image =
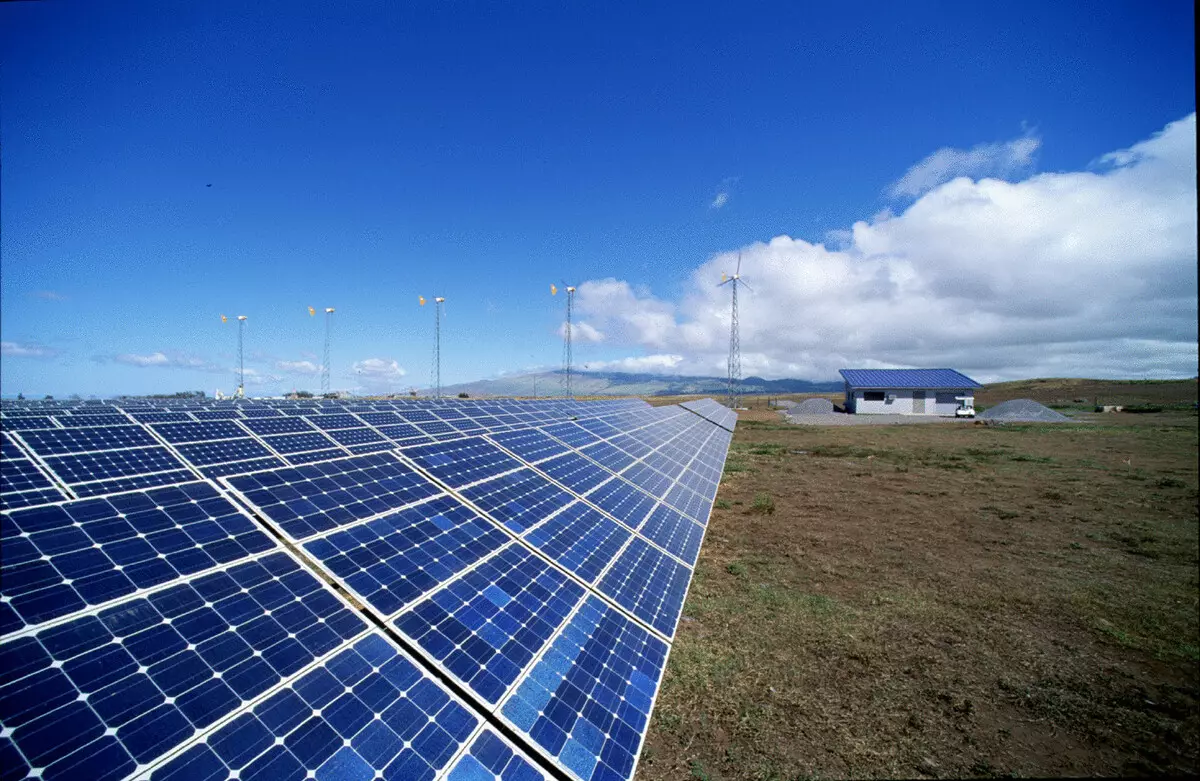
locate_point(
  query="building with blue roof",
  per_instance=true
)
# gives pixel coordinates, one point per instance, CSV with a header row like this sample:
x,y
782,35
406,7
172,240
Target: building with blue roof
x,y
908,391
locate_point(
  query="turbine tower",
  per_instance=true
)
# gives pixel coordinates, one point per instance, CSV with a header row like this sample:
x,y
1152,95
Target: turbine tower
x,y
438,303
241,386
325,360
567,357
734,378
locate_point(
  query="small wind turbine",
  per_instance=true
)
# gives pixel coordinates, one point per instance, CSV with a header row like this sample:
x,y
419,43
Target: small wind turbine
x,y
734,381
568,358
439,302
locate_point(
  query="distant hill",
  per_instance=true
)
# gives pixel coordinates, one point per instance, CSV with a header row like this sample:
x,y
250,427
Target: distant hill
x,y
625,384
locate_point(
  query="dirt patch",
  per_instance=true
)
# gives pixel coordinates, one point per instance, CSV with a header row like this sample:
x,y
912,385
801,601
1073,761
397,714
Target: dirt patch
x,y
942,601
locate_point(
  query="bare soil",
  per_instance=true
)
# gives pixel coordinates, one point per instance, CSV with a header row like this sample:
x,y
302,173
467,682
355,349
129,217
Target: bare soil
x,y
942,601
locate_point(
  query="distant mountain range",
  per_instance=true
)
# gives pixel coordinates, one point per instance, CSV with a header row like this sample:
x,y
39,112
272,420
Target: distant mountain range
x,y
625,384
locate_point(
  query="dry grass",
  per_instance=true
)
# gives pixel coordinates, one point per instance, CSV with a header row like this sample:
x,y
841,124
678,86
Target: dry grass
x,y
942,601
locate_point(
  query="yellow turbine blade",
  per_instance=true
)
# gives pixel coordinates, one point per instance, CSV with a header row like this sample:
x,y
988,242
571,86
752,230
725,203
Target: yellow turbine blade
x,y
311,311
421,300
553,290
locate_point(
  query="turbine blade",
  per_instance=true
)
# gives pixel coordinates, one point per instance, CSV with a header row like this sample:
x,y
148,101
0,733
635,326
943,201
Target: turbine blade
x,y
739,266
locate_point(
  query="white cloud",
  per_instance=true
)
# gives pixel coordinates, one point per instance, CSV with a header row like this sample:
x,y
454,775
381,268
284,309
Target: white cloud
x,y
581,332
304,368
721,199
998,159
379,375
26,350
167,360
1087,273
643,363
49,295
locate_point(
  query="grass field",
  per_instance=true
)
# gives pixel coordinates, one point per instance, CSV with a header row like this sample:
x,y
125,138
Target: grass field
x,y
943,600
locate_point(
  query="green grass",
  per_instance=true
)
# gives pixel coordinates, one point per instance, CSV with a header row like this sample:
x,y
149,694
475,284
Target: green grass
x,y
763,504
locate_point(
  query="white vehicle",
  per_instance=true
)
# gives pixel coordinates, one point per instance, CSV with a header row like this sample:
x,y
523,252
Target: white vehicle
x,y
966,407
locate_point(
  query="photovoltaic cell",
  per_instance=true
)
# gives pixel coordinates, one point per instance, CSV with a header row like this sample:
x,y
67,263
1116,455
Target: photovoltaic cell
x,y
241,467
22,483
580,539
25,422
307,500
674,532
50,442
88,467
356,436
490,757
487,625
207,453
298,443
177,433
571,434
575,472
518,499
266,426
622,501
133,483
102,693
462,462
334,421
313,456
648,583
586,703
390,561
61,558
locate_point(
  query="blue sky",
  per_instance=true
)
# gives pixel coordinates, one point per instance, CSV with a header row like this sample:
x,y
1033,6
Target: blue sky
x,y
362,155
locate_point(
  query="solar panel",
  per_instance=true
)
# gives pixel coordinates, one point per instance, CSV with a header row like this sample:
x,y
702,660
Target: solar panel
x,y
307,500
586,703
539,620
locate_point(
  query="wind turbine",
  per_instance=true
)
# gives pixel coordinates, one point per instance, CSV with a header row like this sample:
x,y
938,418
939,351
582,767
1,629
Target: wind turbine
x,y
439,302
734,386
241,389
568,358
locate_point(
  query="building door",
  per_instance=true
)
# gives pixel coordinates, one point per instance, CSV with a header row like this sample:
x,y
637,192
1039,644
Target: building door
x,y
918,402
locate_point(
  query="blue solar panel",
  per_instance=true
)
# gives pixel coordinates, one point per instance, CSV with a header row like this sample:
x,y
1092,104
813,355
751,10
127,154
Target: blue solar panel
x,y
674,532
649,584
480,606
61,558
241,467
356,436
390,561
586,703
575,472
622,501
572,434
265,426
485,627
307,500
207,453
518,499
89,467
491,757
134,483
298,443
462,462
154,670
580,539
22,482
25,422
334,421
50,442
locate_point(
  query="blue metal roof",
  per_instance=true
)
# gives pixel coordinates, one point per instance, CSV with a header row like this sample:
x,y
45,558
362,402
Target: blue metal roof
x,y
907,378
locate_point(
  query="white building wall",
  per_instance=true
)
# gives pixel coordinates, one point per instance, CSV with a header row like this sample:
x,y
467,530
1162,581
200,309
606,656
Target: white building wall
x,y
937,402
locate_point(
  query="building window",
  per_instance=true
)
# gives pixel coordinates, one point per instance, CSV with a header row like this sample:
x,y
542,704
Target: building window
x,y
872,395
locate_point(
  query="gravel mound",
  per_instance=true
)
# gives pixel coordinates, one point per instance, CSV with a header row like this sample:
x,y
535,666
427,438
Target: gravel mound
x,y
1024,411
812,407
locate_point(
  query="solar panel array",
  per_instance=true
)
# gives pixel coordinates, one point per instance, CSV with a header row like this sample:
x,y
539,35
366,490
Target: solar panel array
x,y
330,589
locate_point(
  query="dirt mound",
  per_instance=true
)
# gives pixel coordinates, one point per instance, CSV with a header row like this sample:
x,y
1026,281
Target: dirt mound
x,y
812,407
1022,410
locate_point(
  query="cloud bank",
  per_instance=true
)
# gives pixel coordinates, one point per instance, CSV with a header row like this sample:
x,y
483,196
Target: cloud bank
x,y
26,350
1084,273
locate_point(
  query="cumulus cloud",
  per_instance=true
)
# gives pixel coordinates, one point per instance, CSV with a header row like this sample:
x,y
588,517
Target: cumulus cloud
x,y
1085,273
581,332
303,368
26,350
998,159
721,199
